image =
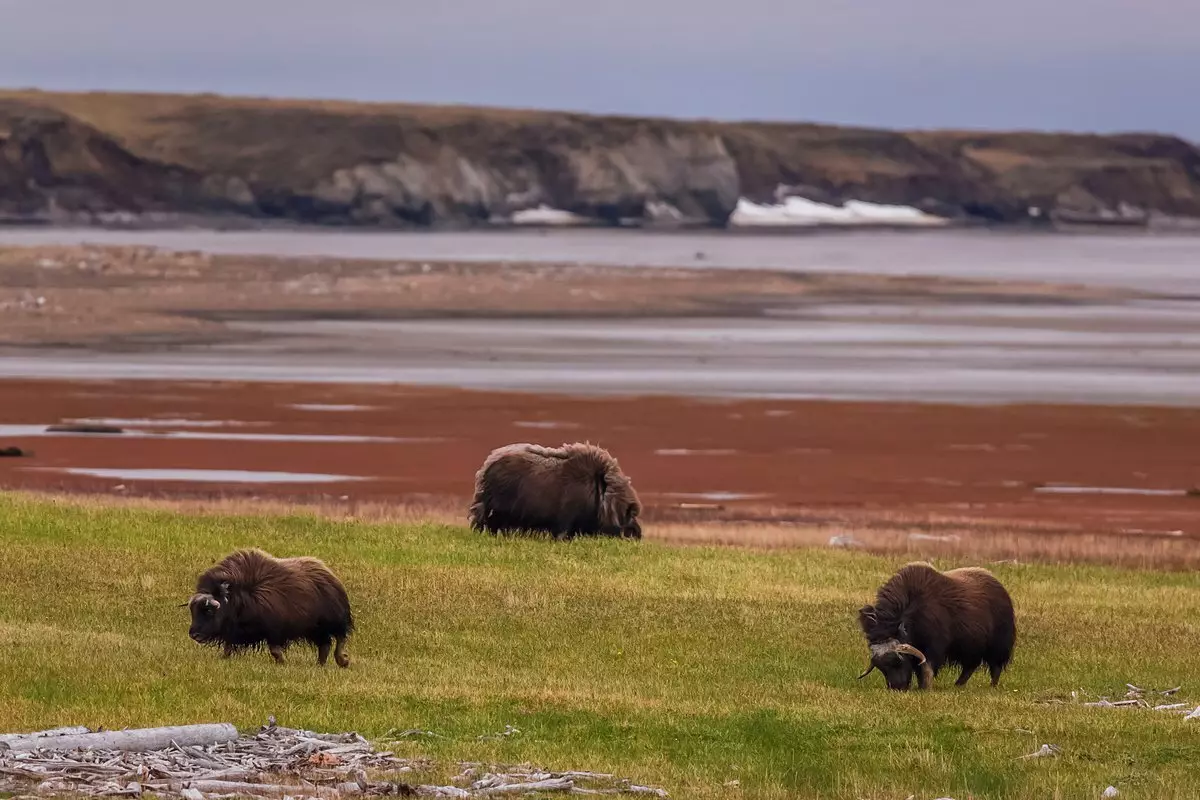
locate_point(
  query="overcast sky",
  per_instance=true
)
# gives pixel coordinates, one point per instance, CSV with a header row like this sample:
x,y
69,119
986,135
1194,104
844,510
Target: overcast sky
x,y
1049,64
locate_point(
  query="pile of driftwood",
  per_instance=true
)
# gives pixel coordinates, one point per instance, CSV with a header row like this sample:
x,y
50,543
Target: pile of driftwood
x,y
1148,699
212,762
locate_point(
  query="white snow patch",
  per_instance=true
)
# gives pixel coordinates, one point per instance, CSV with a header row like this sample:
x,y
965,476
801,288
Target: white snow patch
x,y
545,215
799,212
661,210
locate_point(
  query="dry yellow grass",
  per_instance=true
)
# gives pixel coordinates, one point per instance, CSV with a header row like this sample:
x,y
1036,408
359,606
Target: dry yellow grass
x,y
884,534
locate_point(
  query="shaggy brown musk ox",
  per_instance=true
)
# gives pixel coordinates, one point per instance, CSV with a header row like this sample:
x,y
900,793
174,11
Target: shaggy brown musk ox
x,y
924,619
575,489
251,598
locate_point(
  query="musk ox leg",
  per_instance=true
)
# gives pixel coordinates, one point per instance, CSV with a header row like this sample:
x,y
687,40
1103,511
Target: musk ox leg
x,y
276,653
995,670
227,651
967,672
323,651
339,653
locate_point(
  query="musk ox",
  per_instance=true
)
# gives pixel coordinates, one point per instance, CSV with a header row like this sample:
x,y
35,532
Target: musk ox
x,y
251,598
924,619
565,491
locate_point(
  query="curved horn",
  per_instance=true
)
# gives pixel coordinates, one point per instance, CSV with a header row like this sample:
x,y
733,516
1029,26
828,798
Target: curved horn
x,y
212,601
870,667
912,651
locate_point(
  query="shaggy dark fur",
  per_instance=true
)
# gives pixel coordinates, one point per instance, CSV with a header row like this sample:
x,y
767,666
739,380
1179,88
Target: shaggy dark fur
x,y
251,598
576,489
928,619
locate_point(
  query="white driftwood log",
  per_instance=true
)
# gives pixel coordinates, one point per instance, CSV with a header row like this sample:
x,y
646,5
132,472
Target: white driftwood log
x,y
9,738
241,787
139,739
548,785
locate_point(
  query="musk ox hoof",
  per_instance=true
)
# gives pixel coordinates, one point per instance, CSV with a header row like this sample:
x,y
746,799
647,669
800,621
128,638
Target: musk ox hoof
x,y
342,661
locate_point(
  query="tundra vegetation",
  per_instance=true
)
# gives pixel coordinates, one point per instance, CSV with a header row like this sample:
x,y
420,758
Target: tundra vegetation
x,y
687,667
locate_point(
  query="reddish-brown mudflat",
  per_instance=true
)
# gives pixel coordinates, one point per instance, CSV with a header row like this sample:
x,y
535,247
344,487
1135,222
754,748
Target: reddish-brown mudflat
x,y
690,458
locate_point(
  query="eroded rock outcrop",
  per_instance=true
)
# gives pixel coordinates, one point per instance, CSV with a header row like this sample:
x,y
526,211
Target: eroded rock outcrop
x,y
68,156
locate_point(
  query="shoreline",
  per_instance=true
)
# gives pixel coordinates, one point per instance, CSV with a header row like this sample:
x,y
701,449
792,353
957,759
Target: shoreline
x,y
943,470
111,312
1183,226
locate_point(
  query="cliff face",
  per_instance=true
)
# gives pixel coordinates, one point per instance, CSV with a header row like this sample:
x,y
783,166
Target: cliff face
x,y
62,156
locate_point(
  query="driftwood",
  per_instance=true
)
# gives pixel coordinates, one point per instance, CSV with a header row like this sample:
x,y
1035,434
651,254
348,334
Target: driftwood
x,y
9,738
275,763
130,741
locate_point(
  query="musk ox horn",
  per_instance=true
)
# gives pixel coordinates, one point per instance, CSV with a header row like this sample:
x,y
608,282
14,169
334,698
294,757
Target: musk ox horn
x,y
870,667
206,599
912,651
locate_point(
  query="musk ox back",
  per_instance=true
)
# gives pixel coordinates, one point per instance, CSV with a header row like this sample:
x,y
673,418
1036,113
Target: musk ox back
x,y
251,598
565,491
924,619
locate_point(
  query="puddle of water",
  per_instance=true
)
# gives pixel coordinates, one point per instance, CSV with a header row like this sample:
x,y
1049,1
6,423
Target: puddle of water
x,y
24,431
1065,489
208,475
717,496
683,451
1145,532
547,425
159,422
931,537
294,437
329,407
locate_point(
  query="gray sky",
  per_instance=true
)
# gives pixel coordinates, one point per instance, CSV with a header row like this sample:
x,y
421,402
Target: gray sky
x,y
1046,64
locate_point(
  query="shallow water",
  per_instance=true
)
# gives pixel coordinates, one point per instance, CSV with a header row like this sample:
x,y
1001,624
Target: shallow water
x,y
1144,352
207,475
1111,490
27,431
717,496
1156,262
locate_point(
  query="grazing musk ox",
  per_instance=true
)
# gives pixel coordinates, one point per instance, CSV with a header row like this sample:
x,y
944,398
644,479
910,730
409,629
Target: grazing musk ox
x,y
925,619
250,598
565,491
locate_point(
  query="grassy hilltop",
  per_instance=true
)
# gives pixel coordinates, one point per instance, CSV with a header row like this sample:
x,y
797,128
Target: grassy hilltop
x,y
67,157
684,667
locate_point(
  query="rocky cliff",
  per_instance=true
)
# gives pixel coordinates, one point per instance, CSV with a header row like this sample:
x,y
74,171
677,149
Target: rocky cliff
x,y
104,156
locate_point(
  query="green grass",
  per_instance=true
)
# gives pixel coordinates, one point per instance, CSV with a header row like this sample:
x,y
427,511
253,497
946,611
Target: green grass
x,y
681,667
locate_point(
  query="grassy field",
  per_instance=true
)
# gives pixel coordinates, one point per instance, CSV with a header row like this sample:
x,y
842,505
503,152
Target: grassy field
x,y
684,667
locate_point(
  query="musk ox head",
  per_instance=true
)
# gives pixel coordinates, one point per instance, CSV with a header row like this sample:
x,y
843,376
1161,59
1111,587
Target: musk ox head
x,y
895,658
208,613
619,509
